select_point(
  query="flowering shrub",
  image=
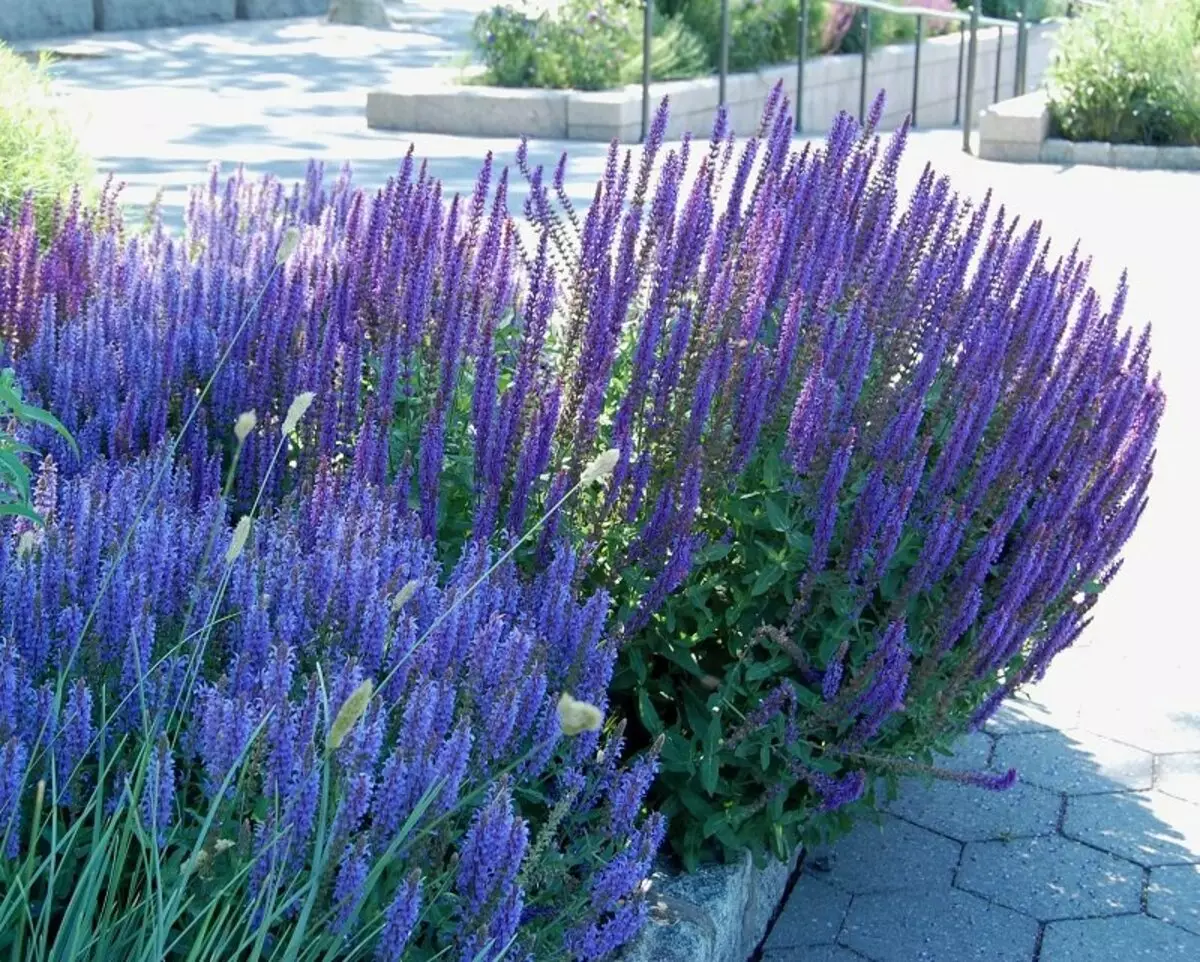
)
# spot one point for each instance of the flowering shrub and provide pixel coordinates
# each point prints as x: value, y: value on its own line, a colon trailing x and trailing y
x: 299, y: 729
x: 873, y: 462
x: 876, y: 462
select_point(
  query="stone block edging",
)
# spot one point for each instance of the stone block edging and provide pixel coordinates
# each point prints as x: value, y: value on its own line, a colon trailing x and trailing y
x: 718, y: 913
x: 31, y: 19
x: 1018, y: 131
x: 25, y: 20
x: 831, y: 84
x: 142, y: 14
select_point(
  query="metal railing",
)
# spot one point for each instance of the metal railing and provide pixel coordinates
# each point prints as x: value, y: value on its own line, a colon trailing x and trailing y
x: 969, y: 25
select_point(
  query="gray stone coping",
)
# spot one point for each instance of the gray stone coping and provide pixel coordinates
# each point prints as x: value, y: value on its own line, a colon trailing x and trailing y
x: 22, y: 20
x: 718, y: 913
x: 1018, y: 131
x: 831, y: 83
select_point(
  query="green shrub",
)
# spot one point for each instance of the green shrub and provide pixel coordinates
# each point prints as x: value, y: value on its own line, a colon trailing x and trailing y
x: 38, y: 151
x: 676, y: 53
x: 1129, y: 73
x: 507, y: 40
x: 761, y: 32
x: 584, y: 45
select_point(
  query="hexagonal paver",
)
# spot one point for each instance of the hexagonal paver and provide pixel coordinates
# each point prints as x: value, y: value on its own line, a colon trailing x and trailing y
x: 1050, y: 878
x: 1174, y: 895
x: 971, y: 753
x: 938, y: 926
x: 896, y: 856
x: 1149, y: 828
x: 1023, y: 715
x: 1143, y: 723
x: 819, y: 953
x: 1125, y: 938
x: 1077, y: 762
x: 813, y: 915
x: 1179, y: 775
x: 972, y: 814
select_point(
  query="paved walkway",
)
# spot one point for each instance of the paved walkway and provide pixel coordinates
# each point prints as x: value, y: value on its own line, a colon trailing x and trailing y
x: 1093, y: 857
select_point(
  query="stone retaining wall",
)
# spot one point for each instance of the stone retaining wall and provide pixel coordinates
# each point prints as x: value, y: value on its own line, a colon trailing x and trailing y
x: 38, y: 19
x: 717, y: 914
x: 1018, y: 131
x: 831, y: 84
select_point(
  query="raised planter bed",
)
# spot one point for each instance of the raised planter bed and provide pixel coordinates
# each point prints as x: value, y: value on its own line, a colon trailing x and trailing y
x: 32, y: 19
x: 37, y: 19
x: 140, y: 14
x: 1018, y: 131
x: 717, y: 914
x: 831, y: 84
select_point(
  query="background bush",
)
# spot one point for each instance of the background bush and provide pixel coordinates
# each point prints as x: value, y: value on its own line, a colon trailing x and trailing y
x: 598, y: 45
x: 583, y: 45
x: 1129, y: 72
x: 38, y: 151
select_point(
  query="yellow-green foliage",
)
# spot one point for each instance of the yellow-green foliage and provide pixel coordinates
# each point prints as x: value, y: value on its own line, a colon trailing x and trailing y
x: 38, y: 150
x: 1129, y: 72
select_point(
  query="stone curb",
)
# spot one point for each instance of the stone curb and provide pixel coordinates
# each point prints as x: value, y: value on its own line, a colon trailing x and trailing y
x: 831, y: 84
x: 1018, y: 131
x: 716, y: 914
x: 22, y: 20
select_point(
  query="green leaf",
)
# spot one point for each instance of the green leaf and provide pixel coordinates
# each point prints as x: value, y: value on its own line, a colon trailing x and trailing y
x: 714, y: 552
x: 776, y: 515
x: 767, y: 576
x: 16, y: 509
x: 710, y: 768
x: 647, y: 713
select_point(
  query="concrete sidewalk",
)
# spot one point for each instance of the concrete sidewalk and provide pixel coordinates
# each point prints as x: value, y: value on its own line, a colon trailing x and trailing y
x: 1093, y: 857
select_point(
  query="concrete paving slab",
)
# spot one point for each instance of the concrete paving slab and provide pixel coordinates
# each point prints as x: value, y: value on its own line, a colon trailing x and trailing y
x: 938, y: 926
x: 970, y: 814
x: 893, y: 856
x: 813, y: 915
x: 1149, y: 828
x: 1174, y: 895
x: 1126, y: 938
x: 1179, y: 776
x: 822, y: 953
x: 1051, y: 878
x: 1075, y: 763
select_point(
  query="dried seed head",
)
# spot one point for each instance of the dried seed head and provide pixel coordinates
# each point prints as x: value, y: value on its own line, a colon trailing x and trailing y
x: 349, y: 714
x: 576, y: 717
x: 244, y: 424
x: 237, y: 543
x: 405, y: 594
x: 296, y: 410
x: 600, y: 468
x: 287, y: 245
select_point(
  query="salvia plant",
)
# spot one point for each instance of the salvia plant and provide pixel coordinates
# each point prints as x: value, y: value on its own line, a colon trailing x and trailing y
x: 874, y: 459
x: 277, y: 726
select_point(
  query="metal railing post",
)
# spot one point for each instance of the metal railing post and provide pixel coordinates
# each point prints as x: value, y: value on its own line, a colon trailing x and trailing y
x: 962, y: 40
x: 801, y: 57
x: 1022, y: 50
x: 917, y: 68
x: 999, y: 64
x: 972, y: 55
x: 724, y: 65
x: 866, y: 56
x: 647, y: 15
